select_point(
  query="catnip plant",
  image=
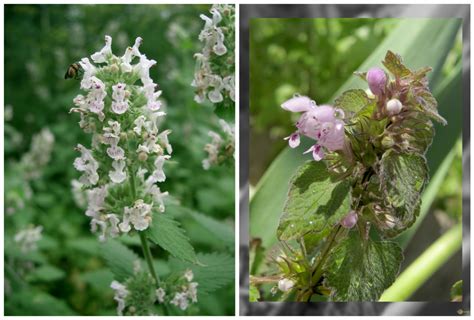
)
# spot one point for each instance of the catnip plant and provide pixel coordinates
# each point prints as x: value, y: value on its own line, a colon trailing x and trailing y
x: 362, y: 187
x: 121, y: 171
x: 214, y: 80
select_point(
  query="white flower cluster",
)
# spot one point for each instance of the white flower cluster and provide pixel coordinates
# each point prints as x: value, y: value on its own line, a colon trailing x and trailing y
x: 28, y: 238
x: 220, y: 147
x: 215, y: 71
x: 120, y: 295
x: 39, y: 154
x: 187, y: 294
x: 122, y: 116
x: 182, y: 297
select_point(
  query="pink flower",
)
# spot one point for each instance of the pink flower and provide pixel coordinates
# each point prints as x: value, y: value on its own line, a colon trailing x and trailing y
x: 322, y: 124
x: 350, y: 220
x: 377, y: 79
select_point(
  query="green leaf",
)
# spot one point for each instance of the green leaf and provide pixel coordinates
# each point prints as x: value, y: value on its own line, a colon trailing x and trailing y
x: 417, y: 131
x: 456, y: 291
x: 393, y: 63
x: 353, y: 100
x: 46, y: 273
x: 254, y: 294
x: 216, y: 271
x: 315, y: 202
x: 119, y: 258
x: 168, y: 234
x: 221, y: 230
x: 32, y: 302
x: 429, y: 104
x: 403, y: 178
x: 359, y: 270
x: 98, y: 279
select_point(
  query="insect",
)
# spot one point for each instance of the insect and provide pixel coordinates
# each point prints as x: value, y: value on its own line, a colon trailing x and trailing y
x: 74, y: 71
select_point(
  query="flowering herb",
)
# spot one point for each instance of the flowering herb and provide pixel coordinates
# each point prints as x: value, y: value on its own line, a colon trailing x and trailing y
x: 121, y: 172
x: 214, y: 78
x: 368, y: 172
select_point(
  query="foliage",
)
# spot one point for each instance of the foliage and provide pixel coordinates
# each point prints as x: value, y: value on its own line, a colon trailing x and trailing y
x: 69, y: 271
x: 385, y: 201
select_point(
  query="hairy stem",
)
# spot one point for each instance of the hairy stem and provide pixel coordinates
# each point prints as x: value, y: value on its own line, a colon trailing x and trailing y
x: 143, y: 240
x: 318, y: 270
x: 148, y: 257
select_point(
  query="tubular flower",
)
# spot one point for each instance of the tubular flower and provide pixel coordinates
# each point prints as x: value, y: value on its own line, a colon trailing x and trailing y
x: 214, y: 76
x: 122, y: 116
x: 321, y: 123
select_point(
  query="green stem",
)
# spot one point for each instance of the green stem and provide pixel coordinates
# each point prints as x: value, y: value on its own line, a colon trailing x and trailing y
x: 148, y: 257
x: 424, y: 266
x: 318, y: 271
x: 143, y: 240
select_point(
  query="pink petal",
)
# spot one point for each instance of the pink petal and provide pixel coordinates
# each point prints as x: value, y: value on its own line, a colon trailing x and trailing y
x: 293, y: 140
x: 298, y: 104
x: 349, y: 220
x: 318, y: 152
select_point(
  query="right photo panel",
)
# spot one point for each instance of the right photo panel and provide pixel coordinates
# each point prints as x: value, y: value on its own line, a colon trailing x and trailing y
x: 355, y: 162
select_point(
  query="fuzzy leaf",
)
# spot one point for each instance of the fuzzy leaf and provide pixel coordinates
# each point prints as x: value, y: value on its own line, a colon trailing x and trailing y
x: 353, y: 100
x: 315, y: 202
x: 221, y: 230
x: 403, y: 178
x: 417, y: 131
x: 360, y: 270
x: 216, y: 271
x: 429, y: 104
x: 119, y: 258
x: 168, y: 234
x: 393, y: 63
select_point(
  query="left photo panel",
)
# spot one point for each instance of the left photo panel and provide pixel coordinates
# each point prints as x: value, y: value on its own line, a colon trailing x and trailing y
x: 119, y: 184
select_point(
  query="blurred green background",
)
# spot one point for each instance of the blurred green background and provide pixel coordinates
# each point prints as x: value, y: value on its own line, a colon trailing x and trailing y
x: 67, y: 274
x: 317, y: 58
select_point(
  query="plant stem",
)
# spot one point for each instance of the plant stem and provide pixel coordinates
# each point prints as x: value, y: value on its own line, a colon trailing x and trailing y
x: 318, y: 270
x: 148, y: 257
x: 424, y: 266
x: 143, y: 240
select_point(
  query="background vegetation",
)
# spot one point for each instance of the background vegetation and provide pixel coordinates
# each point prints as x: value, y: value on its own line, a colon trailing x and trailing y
x: 67, y: 275
x: 316, y: 57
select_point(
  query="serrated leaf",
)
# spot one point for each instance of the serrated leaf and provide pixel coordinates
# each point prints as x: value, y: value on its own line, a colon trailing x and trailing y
x: 429, y: 104
x: 359, y: 270
x: 216, y: 271
x: 119, y: 259
x: 393, y: 63
x: 315, y: 202
x: 254, y: 294
x: 418, y: 131
x: 167, y: 233
x: 403, y: 178
x: 221, y: 230
x: 353, y: 100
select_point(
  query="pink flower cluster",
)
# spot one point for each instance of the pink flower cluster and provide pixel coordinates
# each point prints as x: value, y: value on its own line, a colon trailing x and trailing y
x: 321, y: 123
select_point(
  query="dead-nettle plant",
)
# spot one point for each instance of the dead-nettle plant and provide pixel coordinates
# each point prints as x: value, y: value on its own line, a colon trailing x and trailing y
x: 369, y: 173
x: 121, y: 171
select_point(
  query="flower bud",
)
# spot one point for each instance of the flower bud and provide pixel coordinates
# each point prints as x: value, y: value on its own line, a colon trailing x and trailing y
x: 285, y: 284
x: 142, y: 156
x: 387, y: 142
x: 377, y: 80
x: 350, y: 220
x: 394, y: 106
